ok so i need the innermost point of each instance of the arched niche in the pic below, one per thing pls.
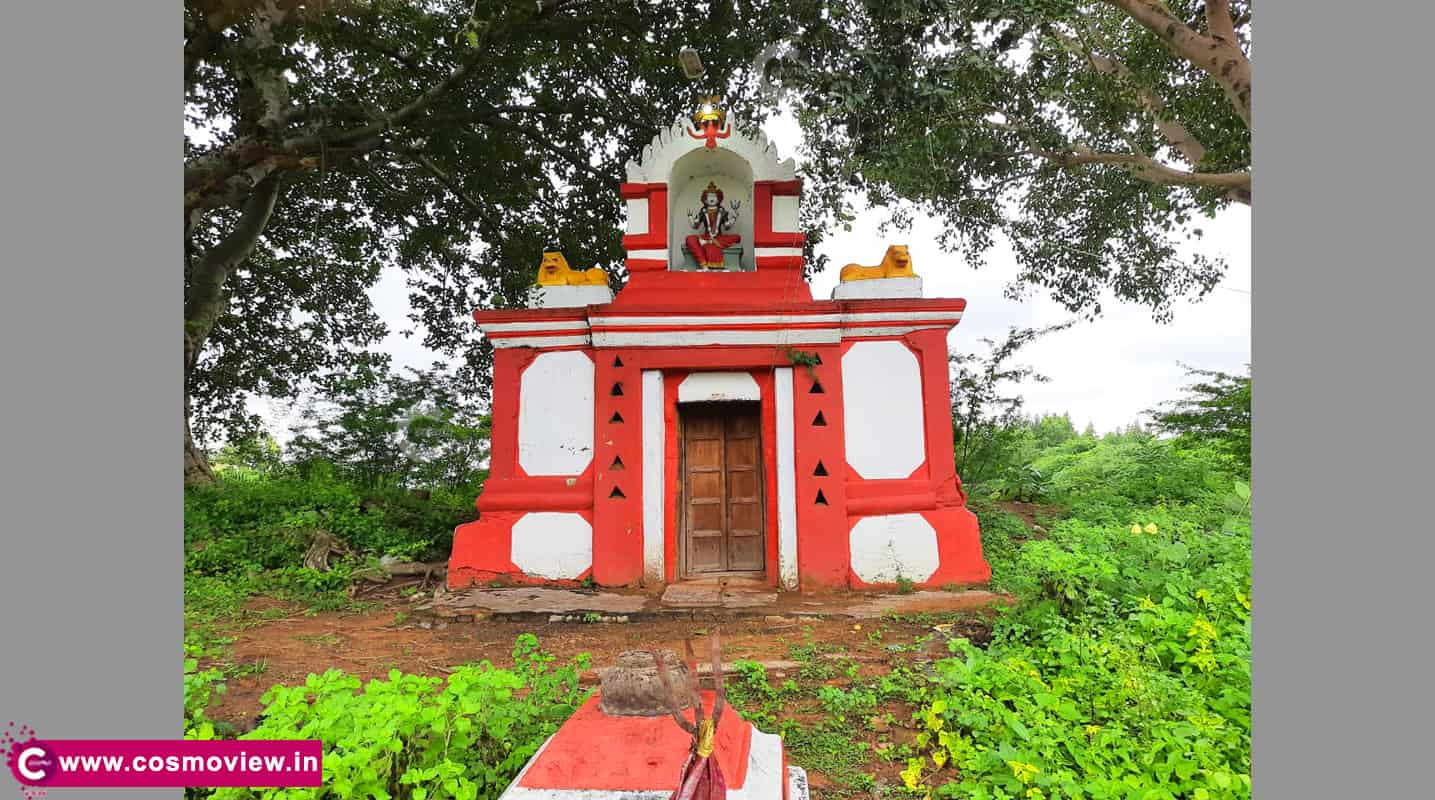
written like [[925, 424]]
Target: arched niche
[[690, 175]]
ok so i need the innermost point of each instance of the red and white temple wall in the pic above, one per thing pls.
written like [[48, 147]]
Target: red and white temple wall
[[860, 485], [858, 476]]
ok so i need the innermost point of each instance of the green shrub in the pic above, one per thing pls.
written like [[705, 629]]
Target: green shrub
[[418, 737], [200, 687], [1002, 534], [1124, 670], [1025, 483], [248, 532], [1113, 479], [262, 522]]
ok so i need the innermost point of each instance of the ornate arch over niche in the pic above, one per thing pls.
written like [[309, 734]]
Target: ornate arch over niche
[[659, 157], [667, 180]]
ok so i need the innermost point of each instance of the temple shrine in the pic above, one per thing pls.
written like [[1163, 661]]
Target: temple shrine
[[712, 419]]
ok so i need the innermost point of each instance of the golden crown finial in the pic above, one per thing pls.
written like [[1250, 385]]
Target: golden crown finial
[[709, 110]]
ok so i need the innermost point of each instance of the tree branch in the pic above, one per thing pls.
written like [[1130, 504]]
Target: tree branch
[[537, 138], [1176, 134], [449, 183], [1218, 57], [1149, 169], [226, 175], [1218, 20], [204, 296]]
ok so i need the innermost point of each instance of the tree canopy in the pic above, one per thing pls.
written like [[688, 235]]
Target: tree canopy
[[1215, 407], [453, 139], [457, 139], [1090, 134]]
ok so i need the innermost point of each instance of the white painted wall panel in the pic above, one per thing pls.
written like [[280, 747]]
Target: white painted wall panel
[[555, 414], [878, 288], [784, 213], [638, 216], [552, 544], [882, 409], [654, 452], [786, 480], [703, 387], [898, 545]]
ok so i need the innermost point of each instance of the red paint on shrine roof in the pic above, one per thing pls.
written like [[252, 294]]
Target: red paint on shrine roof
[[697, 294], [596, 751], [636, 190], [530, 314]]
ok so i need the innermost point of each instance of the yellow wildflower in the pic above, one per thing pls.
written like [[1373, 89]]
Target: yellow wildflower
[[1201, 629], [1023, 771], [912, 775], [1092, 730], [1135, 529], [1203, 595], [1035, 794], [1146, 605], [1150, 527]]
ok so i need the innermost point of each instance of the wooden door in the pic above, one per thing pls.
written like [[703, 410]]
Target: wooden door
[[722, 489]]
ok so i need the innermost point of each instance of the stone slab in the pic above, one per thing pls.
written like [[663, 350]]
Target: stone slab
[[930, 602], [569, 296], [479, 604], [716, 595], [878, 289], [537, 600]]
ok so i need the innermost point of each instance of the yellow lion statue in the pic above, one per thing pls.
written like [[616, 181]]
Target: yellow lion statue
[[553, 270], [897, 263]]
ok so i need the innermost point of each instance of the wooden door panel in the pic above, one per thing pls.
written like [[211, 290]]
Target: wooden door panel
[[722, 484], [705, 554], [705, 486], [742, 485], [704, 455], [705, 518], [705, 424], [743, 425], [745, 553], [744, 518], [745, 550], [741, 452]]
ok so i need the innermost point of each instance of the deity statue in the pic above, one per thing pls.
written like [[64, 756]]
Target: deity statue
[[712, 223]]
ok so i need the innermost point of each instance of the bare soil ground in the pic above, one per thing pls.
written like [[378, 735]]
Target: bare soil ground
[[371, 642], [282, 643], [1038, 517]]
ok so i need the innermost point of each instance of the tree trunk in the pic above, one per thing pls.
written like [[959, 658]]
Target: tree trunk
[[196, 463], [1218, 54], [206, 300]]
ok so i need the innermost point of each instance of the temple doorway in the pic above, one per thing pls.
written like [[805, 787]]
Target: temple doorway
[[721, 491]]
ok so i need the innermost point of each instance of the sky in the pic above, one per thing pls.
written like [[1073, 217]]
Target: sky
[[1104, 372]]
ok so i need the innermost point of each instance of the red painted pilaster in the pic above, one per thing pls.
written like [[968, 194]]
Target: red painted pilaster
[[931, 349], [508, 364], [671, 381], [822, 548], [767, 391], [656, 236], [618, 470]]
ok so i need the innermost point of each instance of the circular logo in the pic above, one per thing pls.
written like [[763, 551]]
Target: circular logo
[[33, 763]]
